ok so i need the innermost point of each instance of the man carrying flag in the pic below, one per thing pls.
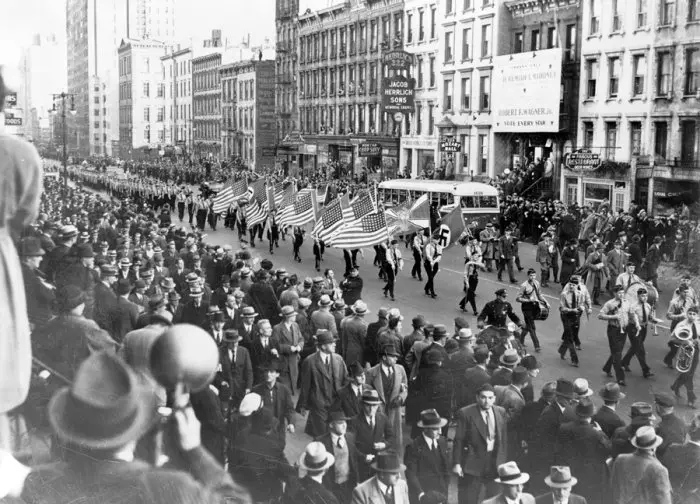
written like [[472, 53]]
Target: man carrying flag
[[449, 231]]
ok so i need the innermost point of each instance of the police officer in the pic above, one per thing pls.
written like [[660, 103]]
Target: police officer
[[495, 312]]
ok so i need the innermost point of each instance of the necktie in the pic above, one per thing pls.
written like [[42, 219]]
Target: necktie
[[371, 423], [340, 442], [644, 313], [389, 495], [573, 299], [489, 424], [328, 363]]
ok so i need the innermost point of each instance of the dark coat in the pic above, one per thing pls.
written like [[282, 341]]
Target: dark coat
[[259, 462], [471, 434], [348, 402], [371, 340], [352, 289], [353, 332], [435, 389], [608, 420], [548, 498], [426, 470], [196, 315], [570, 262], [472, 380], [207, 408], [238, 376], [319, 390], [260, 357], [262, 297], [545, 436], [279, 401], [365, 437], [683, 464], [126, 314], [308, 491], [353, 461], [672, 429], [40, 295]]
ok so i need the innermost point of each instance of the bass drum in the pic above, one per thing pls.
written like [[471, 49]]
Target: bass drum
[[543, 312], [631, 293]]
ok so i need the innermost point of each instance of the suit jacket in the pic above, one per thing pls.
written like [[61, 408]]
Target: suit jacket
[[323, 320], [218, 297], [616, 262], [545, 435], [105, 307], [353, 332], [319, 389], [511, 399], [238, 375], [640, 478], [354, 476], [473, 379], [259, 356], [501, 376], [427, 470], [249, 336], [548, 498], [196, 315], [308, 491], [507, 247], [348, 402], [373, 329], [525, 498], [683, 464], [672, 429], [125, 316], [391, 405], [608, 420], [289, 337], [261, 297], [40, 295], [369, 493], [365, 436], [470, 440], [282, 407], [543, 256]]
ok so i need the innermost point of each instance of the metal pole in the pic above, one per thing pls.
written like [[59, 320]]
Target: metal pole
[[65, 140]]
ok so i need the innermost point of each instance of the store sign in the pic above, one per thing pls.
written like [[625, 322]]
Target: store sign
[[293, 139], [13, 121], [450, 145], [583, 160], [10, 100], [398, 94], [398, 60], [268, 151], [369, 149], [526, 92]]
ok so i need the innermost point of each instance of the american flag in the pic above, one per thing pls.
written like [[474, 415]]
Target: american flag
[[331, 219], [228, 195], [288, 195], [368, 231], [256, 213], [358, 208], [273, 196], [301, 211]]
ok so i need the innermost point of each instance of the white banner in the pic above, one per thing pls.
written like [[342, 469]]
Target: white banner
[[526, 92]]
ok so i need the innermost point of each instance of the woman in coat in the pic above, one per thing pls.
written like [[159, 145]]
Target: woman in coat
[[20, 193]]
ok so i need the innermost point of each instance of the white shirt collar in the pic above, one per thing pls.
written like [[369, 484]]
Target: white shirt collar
[[382, 486], [511, 501], [429, 442]]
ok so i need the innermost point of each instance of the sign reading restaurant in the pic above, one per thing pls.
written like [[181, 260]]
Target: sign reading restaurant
[[583, 160], [398, 94], [526, 92]]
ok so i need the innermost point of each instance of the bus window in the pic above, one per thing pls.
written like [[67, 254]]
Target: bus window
[[489, 202], [402, 195], [444, 199]]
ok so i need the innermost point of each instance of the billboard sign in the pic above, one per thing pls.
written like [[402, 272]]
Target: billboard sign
[[398, 60], [13, 121], [398, 94], [526, 91], [583, 160], [11, 100], [369, 149], [450, 145]]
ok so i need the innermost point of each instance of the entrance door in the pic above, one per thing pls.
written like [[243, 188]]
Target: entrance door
[[571, 191]]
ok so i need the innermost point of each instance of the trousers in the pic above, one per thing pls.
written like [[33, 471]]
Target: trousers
[[529, 312], [616, 341], [416, 270], [636, 348], [503, 264], [686, 379], [430, 272], [572, 324]]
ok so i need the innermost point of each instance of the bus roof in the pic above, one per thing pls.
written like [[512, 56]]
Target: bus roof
[[453, 187]]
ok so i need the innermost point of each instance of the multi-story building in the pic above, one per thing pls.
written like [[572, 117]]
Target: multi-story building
[[339, 81], [286, 108], [419, 141], [229, 98], [640, 104], [141, 96], [178, 99], [536, 27], [152, 19], [473, 33], [206, 105]]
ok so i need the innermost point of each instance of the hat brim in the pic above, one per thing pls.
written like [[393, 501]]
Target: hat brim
[[443, 422], [588, 393], [399, 469], [329, 462], [502, 361], [656, 444], [374, 402], [524, 478], [568, 484], [142, 422]]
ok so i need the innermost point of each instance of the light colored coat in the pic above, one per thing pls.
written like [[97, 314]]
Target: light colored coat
[[640, 478], [525, 498], [289, 337], [369, 492], [399, 393]]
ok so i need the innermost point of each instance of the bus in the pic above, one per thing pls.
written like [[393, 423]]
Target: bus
[[479, 201]]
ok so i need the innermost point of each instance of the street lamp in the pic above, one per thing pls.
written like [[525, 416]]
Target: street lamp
[[62, 97]]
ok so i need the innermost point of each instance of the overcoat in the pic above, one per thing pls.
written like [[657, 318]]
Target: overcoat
[[287, 338], [391, 406], [319, 389]]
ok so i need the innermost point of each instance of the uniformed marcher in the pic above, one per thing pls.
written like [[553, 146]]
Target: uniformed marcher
[[495, 312], [532, 301], [573, 301], [642, 316], [617, 313]]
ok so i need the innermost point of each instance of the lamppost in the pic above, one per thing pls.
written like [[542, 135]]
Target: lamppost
[[62, 97]]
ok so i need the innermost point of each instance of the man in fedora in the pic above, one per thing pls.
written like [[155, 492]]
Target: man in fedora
[[511, 481], [323, 374], [246, 326], [343, 476], [353, 333], [126, 313], [106, 299], [234, 378], [349, 399], [386, 485], [476, 376], [39, 292], [291, 342], [671, 428], [607, 416], [480, 445], [507, 362], [83, 275], [641, 415], [582, 445], [639, 476], [683, 464], [389, 380], [315, 461], [373, 431], [101, 425], [427, 460], [195, 310], [560, 481], [277, 398], [323, 318]]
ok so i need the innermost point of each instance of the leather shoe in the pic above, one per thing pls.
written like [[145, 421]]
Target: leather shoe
[[622, 383]]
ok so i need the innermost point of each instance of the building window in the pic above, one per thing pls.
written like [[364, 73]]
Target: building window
[[466, 93], [639, 63], [421, 30], [592, 77], [409, 27], [419, 64], [570, 43], [692, 10], [663, 73], [447, 96], [146, 114], [419, 121], [688, 141], [466, 44], [449, 47], [610, 140], [595, 17], [483, 153], [535, 40], [614, 76], [433, 33], [161, 114], [660, 139], [146, 89], [431, 119], [432, 71], [551, 37], [692, 70], [641, 13], [588, 135], [616, 18], [667, 12], [96, 125], [484, 93], [485, 40], [635, 138], [449, 7], [518, 43], [467, 5]]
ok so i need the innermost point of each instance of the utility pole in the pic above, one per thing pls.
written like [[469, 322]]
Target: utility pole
[[62, 97]]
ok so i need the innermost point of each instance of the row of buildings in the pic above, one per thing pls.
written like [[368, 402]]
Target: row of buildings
[[617, 84]]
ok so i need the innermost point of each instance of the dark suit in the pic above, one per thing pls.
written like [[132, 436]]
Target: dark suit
[[196, 315], [370, 351], [105, 307], [279, 401], [672, 429], [260, 357], [238, 375], [125, 316], [319, 389], [366, 436], [426, 469], [543, 444], [501, 376], [207, 408], [548, 498], [40, 295], [348, 402], [308, 491], [683, 464], [260, 463], [342, 491], [473, 379], [457, 366], [608, 420], [249, 335], [470, 450]]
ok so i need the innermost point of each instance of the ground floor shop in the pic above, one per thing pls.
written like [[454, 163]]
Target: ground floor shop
[[417, 155], [594, 187], [661, 190]]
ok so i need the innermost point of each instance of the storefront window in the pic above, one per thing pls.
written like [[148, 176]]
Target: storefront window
[[594, 194], [426, 162]]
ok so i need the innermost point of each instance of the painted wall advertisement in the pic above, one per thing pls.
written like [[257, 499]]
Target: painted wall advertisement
[[526, 91]]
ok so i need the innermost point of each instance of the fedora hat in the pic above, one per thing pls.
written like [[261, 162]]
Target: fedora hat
[[325, 300], [155, 302], [356, 369], [560, 477], [304, 302], [611, 392], [430, 419], [251, 403], [67, 232], [370, 396], [69, 297], [85, 252], [248, 311], [287, 311], [565, 389], [271, 365], [585, 408], [195, 291], [390, 350], [231, 336], [339, 304], [124, 262], [174, 296], [104, 407], [581, 388], [388, 462], [324, 337], [465, 334], [338, 416], [360, 308], [30, 247], [440, 331], [509, 474], [316, 458], [510, 357], [646, 438], [167, 283]]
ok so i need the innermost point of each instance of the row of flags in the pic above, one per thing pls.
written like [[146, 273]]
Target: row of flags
[[340, 223]]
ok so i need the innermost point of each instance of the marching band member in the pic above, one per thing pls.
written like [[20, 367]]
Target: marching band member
[[691, 326], [676, 313], [617, 313], [642, 315], [531, 299]]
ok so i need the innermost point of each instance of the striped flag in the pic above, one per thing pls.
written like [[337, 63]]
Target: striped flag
[[359, 207], [288, 195], [322, 192], [228, 195], [256, 213], [331, 219], [368, 231], [301, 210]]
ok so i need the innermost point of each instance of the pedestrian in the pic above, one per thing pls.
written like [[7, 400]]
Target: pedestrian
[[386, 485], [607, 416], [573, 302], [671, 428], [570, 261], [372, 337], [288, 335], [297, 242], [351, 287], [652, 260], [476, 376], [543, 256], [685, 378], [533, 302], [343, 476], [427, 460], [315, 462], [349, 399], [511, 482], [235, 378], [617, 313], [316, 248], [431, 261], [560, 481], [40, 293], [353, 332], [639, 477], [507, 250], [373, 431], [642, 315], [641, 414], [596, 273], [683, 463], [277, 398]]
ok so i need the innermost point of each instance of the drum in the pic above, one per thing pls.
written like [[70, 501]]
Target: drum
[[542, 312], [631, 293]]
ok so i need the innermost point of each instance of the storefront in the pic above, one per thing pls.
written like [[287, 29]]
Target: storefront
[[666, 194], [417, 154], [588, 182]]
